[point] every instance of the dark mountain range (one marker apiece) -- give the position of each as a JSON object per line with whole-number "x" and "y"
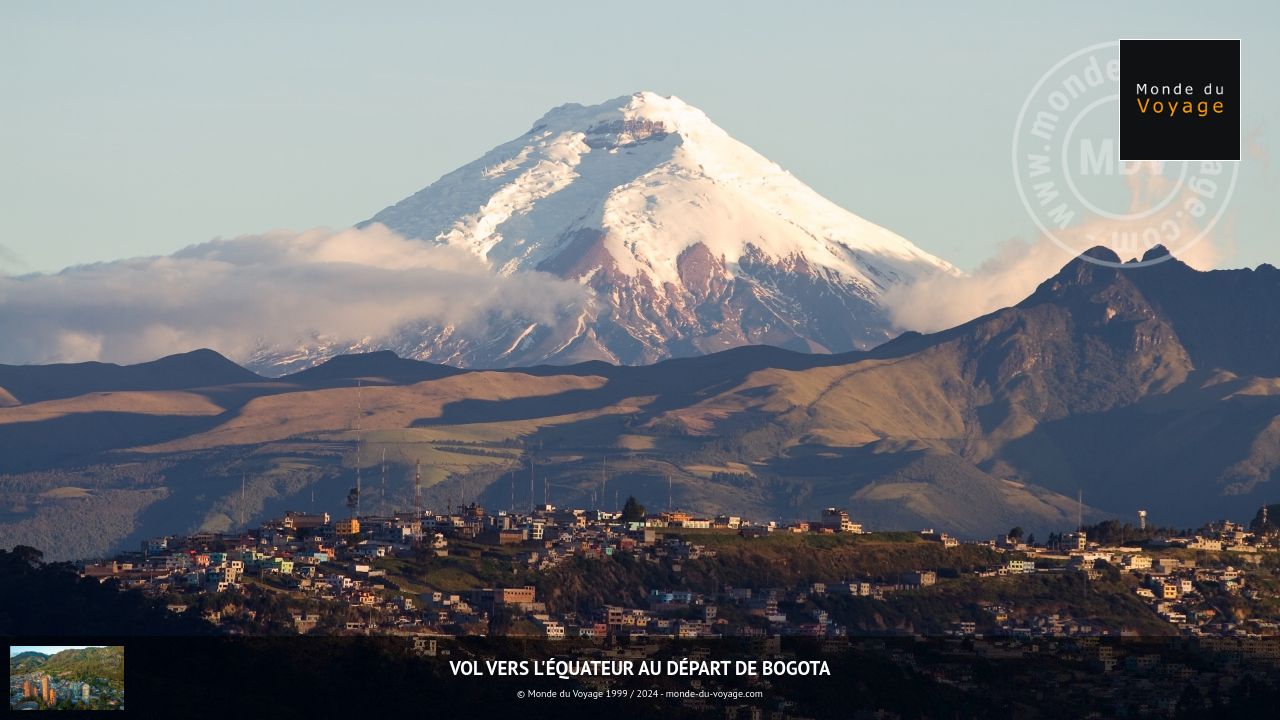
{"x": 199, "y": 368}
{"x": 1155, "y": 388}
{"x": 25, "y": 662}
{"x": 380, "y": 367}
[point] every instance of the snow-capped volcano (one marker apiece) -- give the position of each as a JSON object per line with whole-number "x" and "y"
{"x": 687, "y": 240}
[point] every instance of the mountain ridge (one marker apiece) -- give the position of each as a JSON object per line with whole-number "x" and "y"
{"x": 196, "y": 368}
{"x": 1105, "y": 382}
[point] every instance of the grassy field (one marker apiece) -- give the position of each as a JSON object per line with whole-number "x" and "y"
{"x": 468, "y": 566}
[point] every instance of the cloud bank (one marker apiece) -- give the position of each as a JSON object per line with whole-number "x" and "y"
{"x": 280, "y": 289}
{"x": 944, "y": 301}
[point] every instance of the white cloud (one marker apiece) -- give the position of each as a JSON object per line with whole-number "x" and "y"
{"x": 276, "y": 289}
{"x": 944, "y": 301}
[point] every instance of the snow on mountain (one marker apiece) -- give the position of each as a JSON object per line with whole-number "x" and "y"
{"x": 690, "y": 242}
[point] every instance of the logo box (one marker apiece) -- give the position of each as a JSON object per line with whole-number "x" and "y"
{"x": 1179, "y": 99}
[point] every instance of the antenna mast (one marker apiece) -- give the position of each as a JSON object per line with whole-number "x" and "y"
{"x": 359, "y": 412}
{"x": 417, "y": 485}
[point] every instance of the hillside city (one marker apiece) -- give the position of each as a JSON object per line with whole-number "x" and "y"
{"x": 1126, "y": 619}
{"x": 37, "y": 691}
{"x": 446, "y": 575}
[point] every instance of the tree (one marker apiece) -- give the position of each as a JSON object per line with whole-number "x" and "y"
{"x": 1266, "y": 519}
{"x": 1015, "y": 534}
{"x": 632, "y": 511}
{"x": 1031, "y": 539}
{"x": 27, "y": 555}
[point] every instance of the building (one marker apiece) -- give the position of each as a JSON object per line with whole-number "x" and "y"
{"x": 1075, "y": 541}
{"x": 350, "y": 526}
{"x": 1020, "y": 566}
{"x": 733, "y": 522}
{"x": 837, "y": 520}
{"x": 494, "y": 597}
{"x": 305, "y": 521}
{"x": 919, "y": 578}
{"x": 1202, "y": 543}
{"x": 47, "y": 693}
{"x": 84, "y": 691}
{"x": 1136, "y": 562}
{"x": 673, "y": 519}
{"x": 940, "y": 537}
{"x": 553, "y": 629}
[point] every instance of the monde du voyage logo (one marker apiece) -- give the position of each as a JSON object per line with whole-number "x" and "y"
{"x": 1131, "y": 144}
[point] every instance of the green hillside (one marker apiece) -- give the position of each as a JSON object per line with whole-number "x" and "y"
{"x": 89, "y": 664}
{"x": 25, "y": 662}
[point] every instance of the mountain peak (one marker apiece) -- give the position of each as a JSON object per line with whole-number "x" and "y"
{"x": 1101, "y": 253}
{"x": 1080, "y": 272}
{"x": 667, "y": 110}
{"x": 685, "y": 240}
{"x": 1155, "y": 253}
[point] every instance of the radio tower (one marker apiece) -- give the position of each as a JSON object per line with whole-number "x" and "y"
{"x": 382, "y": 500}
{"x": 531, "y": 484}
{"x": 1079, "y": 510}
{"x": 241, "y": 499}
{"x": 359, "y": 412}
{"x": 417, "y": 488}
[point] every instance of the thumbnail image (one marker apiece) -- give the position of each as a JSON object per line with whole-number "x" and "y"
{"x": 66, "y": 677}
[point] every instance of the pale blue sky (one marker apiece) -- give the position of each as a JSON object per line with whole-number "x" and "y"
{"x": 46, "y": 649}
{"x": 132, "y": 128}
